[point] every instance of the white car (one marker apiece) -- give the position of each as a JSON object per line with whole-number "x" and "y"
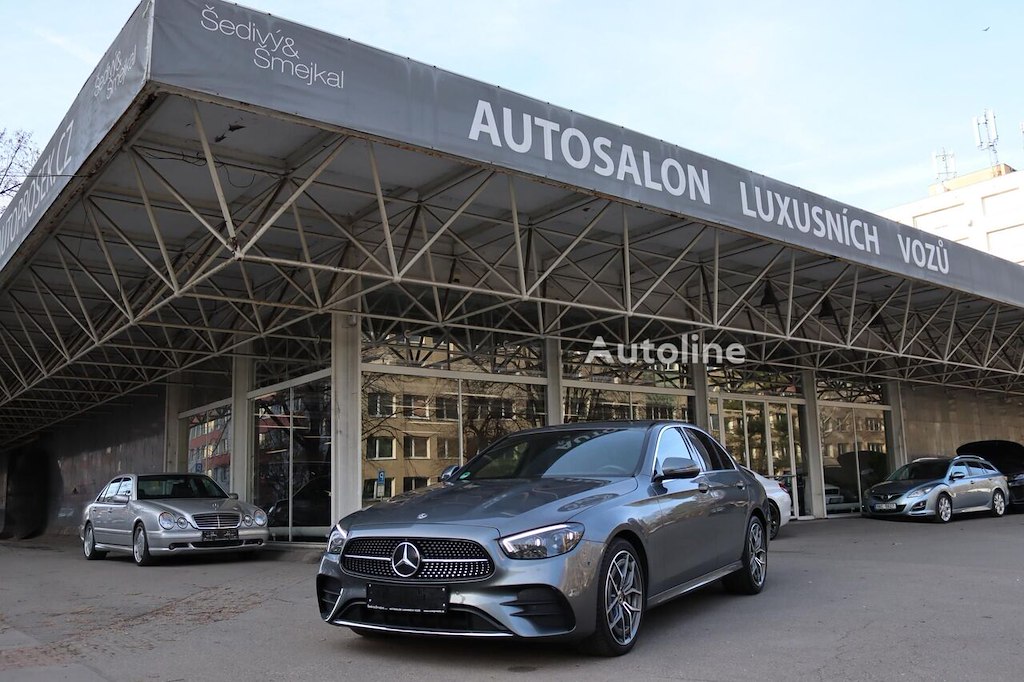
{"x": 779, "y": 501}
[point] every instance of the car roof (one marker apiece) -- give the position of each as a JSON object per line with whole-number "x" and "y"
{"x": 608, "y": 424}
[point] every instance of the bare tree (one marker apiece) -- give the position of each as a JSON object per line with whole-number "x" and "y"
{"x": 18, "y": 152}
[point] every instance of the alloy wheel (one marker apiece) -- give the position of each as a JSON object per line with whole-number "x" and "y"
{"x": 90, "y": 542}
{"x": 758, "y": 553}
{"x": 139, "y": 545}
{"x": 945, "y": 509}
{"x": 624, "y": 594}
{"x": 998, "y": 503}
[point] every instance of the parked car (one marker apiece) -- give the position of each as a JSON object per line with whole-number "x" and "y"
{"x": 564, "y": 532}
{"x": 1008, "y": 457}
{"x": 163, "y": 514}
{"x": 939, "y": 487}
{"x": 780, "y": 504}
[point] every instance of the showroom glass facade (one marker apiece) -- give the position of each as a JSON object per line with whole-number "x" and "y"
{"x": 757, "y": 415}
{"x": 426, "y": 403}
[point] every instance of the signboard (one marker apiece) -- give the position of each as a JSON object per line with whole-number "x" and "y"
{"x": 101, "y": 102}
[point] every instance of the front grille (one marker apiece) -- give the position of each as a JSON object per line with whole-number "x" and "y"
{"x": 456, "y": 619}
{"x": 216, "y": 520}
{"x": 443, "y": 559}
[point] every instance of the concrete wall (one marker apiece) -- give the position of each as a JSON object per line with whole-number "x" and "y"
{"x": 85, "y": 455}
{"x": 936, "y": 421}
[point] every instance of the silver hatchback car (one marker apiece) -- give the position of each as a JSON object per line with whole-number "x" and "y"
{"x": 566, "y": 532}
{"x": 939, "y": 487}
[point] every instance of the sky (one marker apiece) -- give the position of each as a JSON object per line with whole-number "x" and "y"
{"x": 846, "y": 99}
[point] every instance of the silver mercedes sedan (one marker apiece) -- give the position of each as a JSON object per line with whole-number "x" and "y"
{"x": 162, "y": 514}
{"x": 566, "y": 532}
{"x": 938, "y": 488}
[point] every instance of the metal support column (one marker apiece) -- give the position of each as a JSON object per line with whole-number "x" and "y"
{"x": 699, "y": 378}
{"x": 346, "y": 415}
{"x": 175, "y": 429}
{"x": 896, "y": 442}
{"x": 553, "y": 394}
{"x": 814, "y": 499}
{"x": 241, "y": 427}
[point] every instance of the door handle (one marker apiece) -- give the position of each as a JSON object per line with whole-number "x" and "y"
{"x": 703, "y": 486}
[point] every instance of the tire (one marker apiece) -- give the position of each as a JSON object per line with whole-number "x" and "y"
{"x": 89, "y": 545}
{"x": 774, "y": 520}
{"x": 750, "y": 578}
{"x": 140, "y": 547}
{"x": 621, "y": 591}
{"x": 998, "y": 503}
{"x": 943, "y": 508}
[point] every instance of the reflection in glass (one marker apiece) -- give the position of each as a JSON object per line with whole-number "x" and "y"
{"x": 853, "y": 454}
{"x": 209, "y": 445}
{"x": 292, "y": 461}
{"x": 735, "y": 439}
{"x": 435, "y": 423}
{"x": 756, "y": 438}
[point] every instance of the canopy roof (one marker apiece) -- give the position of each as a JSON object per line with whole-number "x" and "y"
{"x": 226, "y": 175}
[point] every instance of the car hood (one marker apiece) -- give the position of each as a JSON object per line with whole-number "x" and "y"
{"x": 899, "y": 487}
{"x": 208, "y": 505}
{"x": 507, "y": 505}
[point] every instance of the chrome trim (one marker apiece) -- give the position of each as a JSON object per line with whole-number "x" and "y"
{"x": 694, "y": 584}
{"x": 412, "y": 631}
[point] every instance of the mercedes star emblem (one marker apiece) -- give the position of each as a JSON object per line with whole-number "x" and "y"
{"x": 405, "y": 560}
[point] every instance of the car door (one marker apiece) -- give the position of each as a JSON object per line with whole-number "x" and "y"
{"x": 683, "y": 542}
{"x": 732, "y": 495}
{"x": 959, "y": 481}
{"x": 100, "y": 513}
{"x": 119, "y": 521}
{"x": 981, "y": 484}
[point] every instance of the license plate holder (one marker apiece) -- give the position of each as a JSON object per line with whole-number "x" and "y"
{"x": 886, "y": 506}
{"x": 407, "y": 598}
{"x": 221, "y": 534}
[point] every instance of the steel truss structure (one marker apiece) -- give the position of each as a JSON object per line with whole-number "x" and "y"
{"x": 215, "y": 230}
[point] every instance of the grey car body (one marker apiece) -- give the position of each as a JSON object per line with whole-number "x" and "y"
{"x": 939, "y": 487}
{"x": 124, "y": 517}
{"x": 682, "y": 533}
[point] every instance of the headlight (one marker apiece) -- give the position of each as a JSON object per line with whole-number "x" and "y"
{"x": 919, "y": 492}
{"x": 260, "y": 517}
{"x": 543, "y": 542}
{"x": 182, "y": 523}
{"x": 336, "y": 540}
{"x": 166, "y": 520}
{"x": 247, "y": 520}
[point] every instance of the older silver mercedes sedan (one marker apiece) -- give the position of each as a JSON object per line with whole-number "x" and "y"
{"x": 162, "y": 514}
{"x": 565, "y": 532}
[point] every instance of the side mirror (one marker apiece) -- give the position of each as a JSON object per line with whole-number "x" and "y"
{"x": 448, "y": 472}
{"x": 119, "y": 499}
{"x": 956, "y": 476}
{"x": 233, "y": 496}
{"x": 677, "y": 467}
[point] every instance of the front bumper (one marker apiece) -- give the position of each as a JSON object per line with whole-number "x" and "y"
{"x": 1016, "y": 497}
{"x": 552, "y": 598}
{"x": 190, "y": 540}
{"x": 904, "y": 506}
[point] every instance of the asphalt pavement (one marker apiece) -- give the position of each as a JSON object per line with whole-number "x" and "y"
{"x": 849, "y": 599}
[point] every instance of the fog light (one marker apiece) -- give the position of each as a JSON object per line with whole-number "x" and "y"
{"x": 919, "y": 506}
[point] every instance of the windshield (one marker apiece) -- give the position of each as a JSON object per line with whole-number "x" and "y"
{"x": 928, "y": 470}
{"x": 177, "y": 486}
{"x": 578, "y": 453}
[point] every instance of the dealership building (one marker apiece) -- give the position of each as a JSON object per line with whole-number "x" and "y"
{"x": 321, "y": 273}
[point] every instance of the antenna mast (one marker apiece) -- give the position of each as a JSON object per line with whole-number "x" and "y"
{"x": 944, "y": 165}
{"x": 985, "y": 134}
